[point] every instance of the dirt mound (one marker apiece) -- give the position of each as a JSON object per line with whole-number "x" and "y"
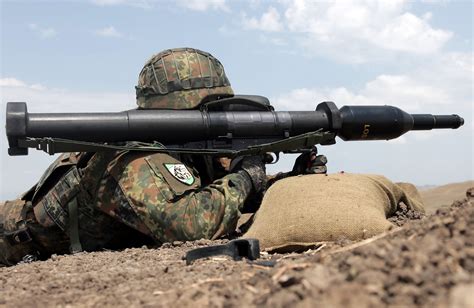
{"x": 437, "y": 197}
{"x": 425, "y": 262}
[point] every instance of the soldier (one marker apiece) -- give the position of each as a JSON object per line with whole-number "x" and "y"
{"x": 114, "y": 200}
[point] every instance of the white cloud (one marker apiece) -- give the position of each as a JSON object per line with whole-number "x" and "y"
{"x": 270, "y": 21}
{"x": 18, "y": 85}
{"x": 109, "y": 31}
{"x": 38, "y": 87}
{"x": 397, "y": 90}
{"x": 11, "y": 82}
{"x": 204, "y": 5}
{"x": 44, "y": 33}
{"x": 443, "y": 85}
{"x": 43, "y": 99}
{"x": 353, "y": 30}
{"x": 411, "y": 34}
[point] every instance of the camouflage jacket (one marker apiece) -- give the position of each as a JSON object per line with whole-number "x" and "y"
{"x": 125, "y": 196}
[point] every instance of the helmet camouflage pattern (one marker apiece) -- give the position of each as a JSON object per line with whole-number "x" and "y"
{"x": 180, "y": 78}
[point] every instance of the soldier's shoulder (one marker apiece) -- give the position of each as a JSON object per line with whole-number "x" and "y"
{"x": 154, "y": 171}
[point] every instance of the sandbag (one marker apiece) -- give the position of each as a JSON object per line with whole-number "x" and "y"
{"x": 305, "y": 210}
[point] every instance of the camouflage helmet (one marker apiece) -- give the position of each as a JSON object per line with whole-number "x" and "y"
{"x": 180, "y": 78}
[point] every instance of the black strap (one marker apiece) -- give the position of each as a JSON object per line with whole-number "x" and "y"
{"x": 185, "y": 84}
{"x": 287, "y": 145}
{"x": 74, "y": 226}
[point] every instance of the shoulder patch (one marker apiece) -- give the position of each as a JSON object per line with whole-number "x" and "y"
{"x": 180, "y": 172}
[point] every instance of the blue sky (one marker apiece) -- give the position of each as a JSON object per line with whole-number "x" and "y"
{"x": 86, "y": 55}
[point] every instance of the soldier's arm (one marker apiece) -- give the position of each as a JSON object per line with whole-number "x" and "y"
{"x": 206, "y": 212}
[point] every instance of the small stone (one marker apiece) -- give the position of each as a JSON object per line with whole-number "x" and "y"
{"x": 287, "y": 280}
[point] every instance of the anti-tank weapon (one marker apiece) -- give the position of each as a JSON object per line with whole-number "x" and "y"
{"x": 240, "y": 125}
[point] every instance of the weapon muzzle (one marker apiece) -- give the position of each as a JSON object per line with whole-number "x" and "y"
{"x": 428, "y": 121}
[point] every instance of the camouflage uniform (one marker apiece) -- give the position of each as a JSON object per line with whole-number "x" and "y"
{"x": 113, "y": 200}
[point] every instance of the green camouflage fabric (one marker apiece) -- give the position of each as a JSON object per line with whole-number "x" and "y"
{"x": 177, "y": 211}
{"x": 124, "y": 200}
{"x": 12, "y": 218}
{"x": 50, "y": 209}
{"x": 180, "y": 78}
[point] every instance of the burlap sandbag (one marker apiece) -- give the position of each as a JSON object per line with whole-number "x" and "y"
{"x": 305, "y": 210}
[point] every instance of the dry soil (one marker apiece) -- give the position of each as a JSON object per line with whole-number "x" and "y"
{"x": 424, "y": 262}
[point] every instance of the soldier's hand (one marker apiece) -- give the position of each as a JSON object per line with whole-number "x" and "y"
{"x": 252, "y": 167}
{"x": 310, "y": 163}
{"x": 255, "y": 169}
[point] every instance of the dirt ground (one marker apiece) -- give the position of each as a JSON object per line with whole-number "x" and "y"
{"x": 440, "y": 196}
{"x": 423, "y": 262}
